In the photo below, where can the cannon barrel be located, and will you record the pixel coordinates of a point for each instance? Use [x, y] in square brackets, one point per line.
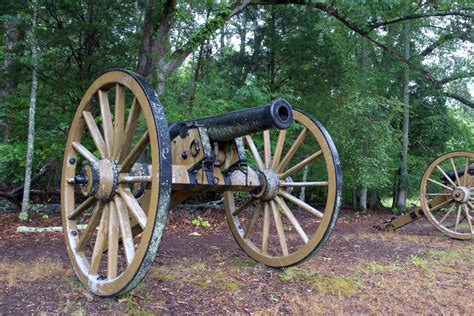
[226, 127]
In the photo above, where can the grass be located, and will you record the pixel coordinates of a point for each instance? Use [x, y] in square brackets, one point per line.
[292, 272]
[327, 284]
[13, 272]
[333, 284]
[198, 274]
[216, 280]
[381, 268]
[419, 262]
[162, 275]
[243, 263]
[443, 255]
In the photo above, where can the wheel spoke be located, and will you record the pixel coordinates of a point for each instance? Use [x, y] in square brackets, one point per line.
[112, 250]
[279, 148]
[135, 209]
[244, 205]
[255, 153]
[130, 128]
[279, 227]
[125, 229]
[249, 231]
[266, 227]
[119, 120]
[446, 176]
[292, 219]
[91, 226]
[468, 218]
[438, 194]
[95, 133]
[300, 165]
[300, 203]
[440, 184]
[81, 208]
[100, 242]
[458, 215]
[440, 205]
[267, 148]
[84, 152]
[293, 149]
[455, 172]
[445, 216]
[303, 184]
[107, 125]
[132, 157]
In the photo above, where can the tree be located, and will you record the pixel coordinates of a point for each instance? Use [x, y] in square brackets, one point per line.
[31, 121]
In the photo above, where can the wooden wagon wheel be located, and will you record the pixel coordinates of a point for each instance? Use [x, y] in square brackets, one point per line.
[121, 236]
[446, 194]
[275, 226]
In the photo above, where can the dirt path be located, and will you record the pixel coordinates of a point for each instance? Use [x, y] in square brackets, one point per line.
[358, 271]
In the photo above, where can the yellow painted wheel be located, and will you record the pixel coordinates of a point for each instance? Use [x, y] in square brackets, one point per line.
[112, 238]
[278, 226]
[446, 194]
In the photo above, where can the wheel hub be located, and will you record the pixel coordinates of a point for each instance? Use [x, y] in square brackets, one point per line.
[99, 179]
[270, 185]
[461, 194]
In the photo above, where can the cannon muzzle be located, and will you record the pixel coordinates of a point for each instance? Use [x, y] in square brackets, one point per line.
[226, 127]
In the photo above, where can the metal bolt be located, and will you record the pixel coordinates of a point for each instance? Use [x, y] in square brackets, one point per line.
[216, 180]
[72, 161]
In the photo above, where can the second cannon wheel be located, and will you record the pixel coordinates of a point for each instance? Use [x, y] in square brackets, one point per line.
[447, 194]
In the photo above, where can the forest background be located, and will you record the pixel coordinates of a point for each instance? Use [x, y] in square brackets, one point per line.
[392, 81]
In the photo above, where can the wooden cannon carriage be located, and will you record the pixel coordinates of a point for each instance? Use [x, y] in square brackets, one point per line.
[125, 167]
[446, 196]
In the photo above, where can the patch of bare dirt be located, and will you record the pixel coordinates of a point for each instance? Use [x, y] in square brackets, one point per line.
[359, 270]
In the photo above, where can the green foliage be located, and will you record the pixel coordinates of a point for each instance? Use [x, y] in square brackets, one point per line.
[23, 216]
[369, 145]
[289, 273]
[281, 51]
[198, 221]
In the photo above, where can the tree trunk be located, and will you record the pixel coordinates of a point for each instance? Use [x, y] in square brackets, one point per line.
[303, 189]
[222, 41]
[31, 120]
[354, 199]
[374, 200]
[403, 183]
[363, 199]
[365, 146]
[12, 38]
[192, 95]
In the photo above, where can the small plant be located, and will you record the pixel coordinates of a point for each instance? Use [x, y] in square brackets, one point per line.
[290, 273]
[45, 216]
[198, 221]
[419, 262]
[23, 216]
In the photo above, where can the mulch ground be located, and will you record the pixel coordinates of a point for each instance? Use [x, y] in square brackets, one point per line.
[359, 270]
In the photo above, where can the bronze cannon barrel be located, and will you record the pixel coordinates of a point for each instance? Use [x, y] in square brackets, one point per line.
[226, 127]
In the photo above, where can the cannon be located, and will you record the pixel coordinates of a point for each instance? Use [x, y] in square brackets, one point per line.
[124, 168]
[446, 197]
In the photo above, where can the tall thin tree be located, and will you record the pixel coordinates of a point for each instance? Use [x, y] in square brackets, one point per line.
[403, 183]
[31, 120]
